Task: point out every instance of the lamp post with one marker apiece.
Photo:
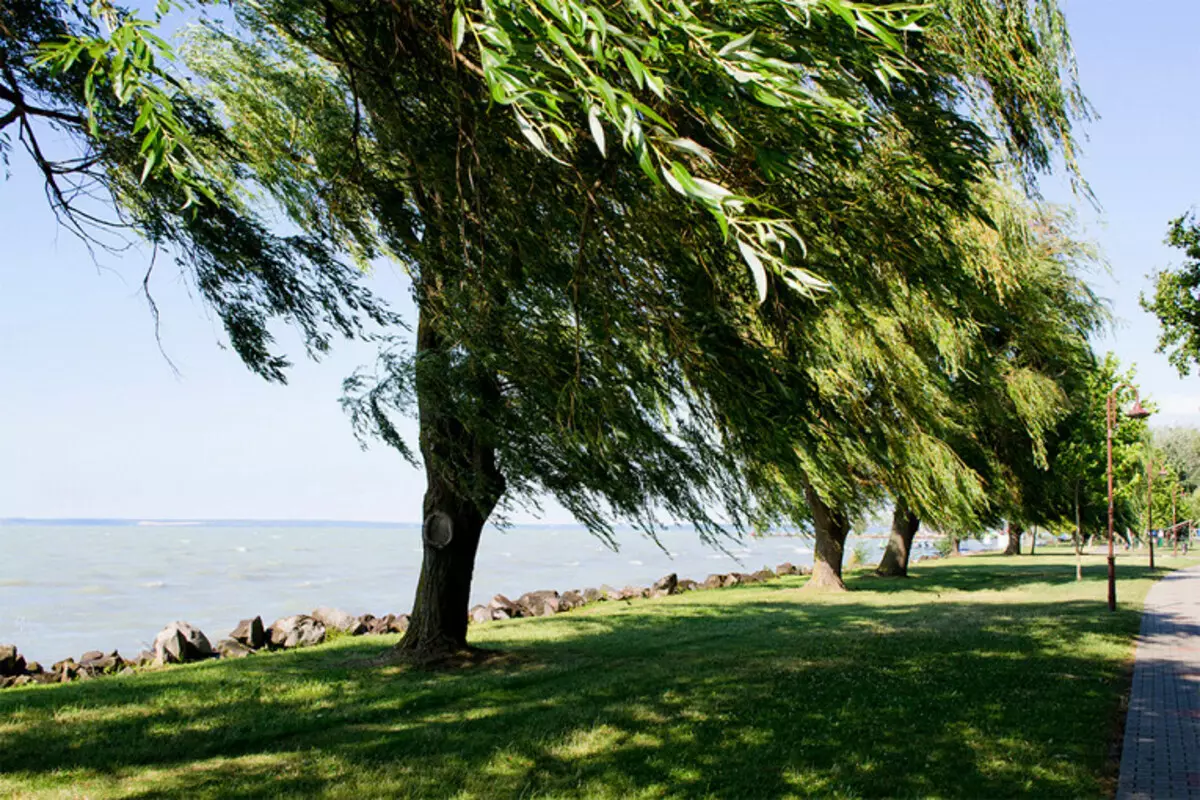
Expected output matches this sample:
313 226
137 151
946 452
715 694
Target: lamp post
1136 412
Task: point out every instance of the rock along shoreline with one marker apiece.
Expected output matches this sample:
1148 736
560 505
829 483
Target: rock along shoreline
183 643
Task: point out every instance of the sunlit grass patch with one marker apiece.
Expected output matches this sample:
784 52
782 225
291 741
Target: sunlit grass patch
980 676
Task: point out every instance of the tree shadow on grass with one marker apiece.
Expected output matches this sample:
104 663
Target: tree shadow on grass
755 698
974 574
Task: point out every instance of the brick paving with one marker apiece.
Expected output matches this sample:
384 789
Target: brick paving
1160 757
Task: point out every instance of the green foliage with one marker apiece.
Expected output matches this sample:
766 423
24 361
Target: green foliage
511 161
576 192
1180 449
944 546
1176 300
123 60
1079 458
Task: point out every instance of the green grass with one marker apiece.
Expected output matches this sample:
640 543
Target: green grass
979 677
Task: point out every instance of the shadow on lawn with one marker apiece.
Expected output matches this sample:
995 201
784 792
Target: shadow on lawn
753 699
975 573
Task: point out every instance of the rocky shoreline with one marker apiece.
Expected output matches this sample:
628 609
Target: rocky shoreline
181 643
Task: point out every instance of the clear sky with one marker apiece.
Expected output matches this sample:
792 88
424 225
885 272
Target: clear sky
94 423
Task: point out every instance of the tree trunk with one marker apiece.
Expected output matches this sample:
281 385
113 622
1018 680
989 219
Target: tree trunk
463 486
831 528
1033 540
1014 540
1078 537
955 550
905 523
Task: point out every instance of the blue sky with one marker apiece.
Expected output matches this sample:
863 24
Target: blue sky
94 423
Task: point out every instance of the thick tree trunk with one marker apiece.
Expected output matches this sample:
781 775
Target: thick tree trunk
463 485
831 528
955 550
1033 540
1014 540
894 563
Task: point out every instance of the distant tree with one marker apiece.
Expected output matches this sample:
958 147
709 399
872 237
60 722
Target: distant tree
1075 495
1180 448
1029 352
1176 300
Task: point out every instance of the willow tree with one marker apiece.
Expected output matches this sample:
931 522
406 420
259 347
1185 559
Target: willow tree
942 378
599 208
605 211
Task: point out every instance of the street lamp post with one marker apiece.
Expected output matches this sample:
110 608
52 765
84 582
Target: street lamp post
1136 412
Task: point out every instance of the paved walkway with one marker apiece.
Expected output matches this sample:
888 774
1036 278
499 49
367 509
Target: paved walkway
1161 754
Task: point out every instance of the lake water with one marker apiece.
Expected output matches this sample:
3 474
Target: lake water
66 589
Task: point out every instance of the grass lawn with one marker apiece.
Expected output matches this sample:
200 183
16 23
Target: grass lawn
978 677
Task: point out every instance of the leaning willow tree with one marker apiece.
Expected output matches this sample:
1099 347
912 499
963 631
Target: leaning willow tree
1024 318
596 205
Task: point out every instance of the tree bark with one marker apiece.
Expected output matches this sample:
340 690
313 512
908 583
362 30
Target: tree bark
955 550
1033 532
1014 540
905 523
1078 537
463 486
831 528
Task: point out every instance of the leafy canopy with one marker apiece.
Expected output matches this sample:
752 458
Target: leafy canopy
1176 300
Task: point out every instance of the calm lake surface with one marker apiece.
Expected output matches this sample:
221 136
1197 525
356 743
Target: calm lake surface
66 589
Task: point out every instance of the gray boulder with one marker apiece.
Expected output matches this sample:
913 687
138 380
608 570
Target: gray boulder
667 584
763 575
65 671
593 595
685 585
503 608
336 619
33 668
786 568
180 643
232 648
11 662
714 581
298 630
99 663
250 632
569 600
480 614
539 604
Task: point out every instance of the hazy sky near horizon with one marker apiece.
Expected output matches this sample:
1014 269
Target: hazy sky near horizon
94 422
